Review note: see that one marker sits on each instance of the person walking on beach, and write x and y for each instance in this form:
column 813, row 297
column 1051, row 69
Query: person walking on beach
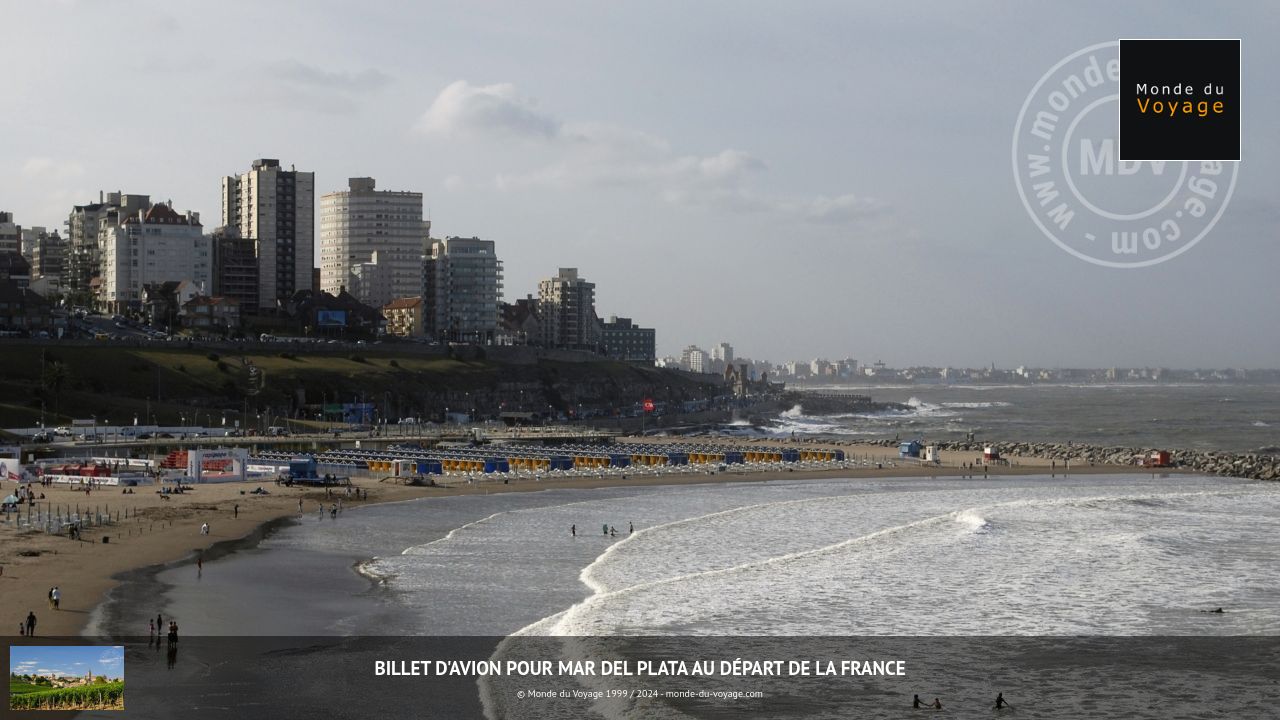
column 31, row 624
column 151, row 629
column 50, row 598
column 56, row 595
column 236, row 511
column 204, row 529
column 299, row 506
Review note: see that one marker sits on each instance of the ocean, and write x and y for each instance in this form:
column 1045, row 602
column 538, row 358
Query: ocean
column 1227, row 417
column 1024, row 555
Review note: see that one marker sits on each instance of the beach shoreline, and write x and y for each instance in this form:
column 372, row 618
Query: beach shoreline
column 160, row 534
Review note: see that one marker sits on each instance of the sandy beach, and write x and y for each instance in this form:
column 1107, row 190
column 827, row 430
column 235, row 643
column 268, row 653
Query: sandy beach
column 156, row 531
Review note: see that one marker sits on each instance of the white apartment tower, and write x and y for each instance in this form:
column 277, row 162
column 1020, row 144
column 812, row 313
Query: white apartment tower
column 371, row 242
column 276, row 209
column 153, row 246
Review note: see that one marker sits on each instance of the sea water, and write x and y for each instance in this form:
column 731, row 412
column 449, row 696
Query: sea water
column 1027, row 555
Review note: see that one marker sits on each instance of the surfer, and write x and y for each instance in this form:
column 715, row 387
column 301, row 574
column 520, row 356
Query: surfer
column 1000, row 703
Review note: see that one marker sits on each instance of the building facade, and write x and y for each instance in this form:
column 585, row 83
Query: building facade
column 45, row 251
column 152, row 247
column 235, row 269
column 275, row 208
column 623, row 340
column 10, row 233
column 86, row 225
column 405, row 317
column 462, row 288
column 567, row 305
column 364, row 226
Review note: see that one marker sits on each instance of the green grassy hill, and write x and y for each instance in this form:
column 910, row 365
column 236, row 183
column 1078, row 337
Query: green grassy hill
column 116, row 383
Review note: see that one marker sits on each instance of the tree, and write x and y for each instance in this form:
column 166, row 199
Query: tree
column 54, row 377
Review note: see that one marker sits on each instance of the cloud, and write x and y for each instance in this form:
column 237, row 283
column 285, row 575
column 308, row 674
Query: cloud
column 592, row 155
column 300, row 87
column 463, row 108
column 46, row 168
column 299, row 73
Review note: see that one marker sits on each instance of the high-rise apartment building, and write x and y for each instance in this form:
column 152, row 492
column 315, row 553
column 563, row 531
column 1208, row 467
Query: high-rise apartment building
column 722, row 352
column 275, row 208
column 10, row 233
column 152, row 247
column 371, row 242
column 567, row 304
column 45, row 251
column 85, row 226
column 235, row 268
column 462, row 290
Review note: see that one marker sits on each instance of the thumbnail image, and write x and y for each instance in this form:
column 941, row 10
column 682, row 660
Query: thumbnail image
column 66, row 677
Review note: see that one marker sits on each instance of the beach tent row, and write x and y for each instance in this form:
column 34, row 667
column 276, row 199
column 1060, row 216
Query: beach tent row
column 399, row 461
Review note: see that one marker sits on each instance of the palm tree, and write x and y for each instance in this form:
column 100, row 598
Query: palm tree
column 54, row 378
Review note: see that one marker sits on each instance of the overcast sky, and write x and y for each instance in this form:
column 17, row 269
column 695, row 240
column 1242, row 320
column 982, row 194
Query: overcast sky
column 799, row 179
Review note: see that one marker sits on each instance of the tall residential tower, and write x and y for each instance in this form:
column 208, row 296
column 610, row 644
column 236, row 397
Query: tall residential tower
column 371, row 242
column 276, row 209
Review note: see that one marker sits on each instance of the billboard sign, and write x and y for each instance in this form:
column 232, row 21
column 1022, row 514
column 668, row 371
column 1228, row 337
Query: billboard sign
column 331, row 318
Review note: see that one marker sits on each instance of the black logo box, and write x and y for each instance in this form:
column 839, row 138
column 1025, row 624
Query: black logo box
column 1184, row 64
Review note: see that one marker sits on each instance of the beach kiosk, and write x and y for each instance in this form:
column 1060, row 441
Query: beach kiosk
column 1159, row 458
column 909, row 449
column 990, row 454
column 931, row 454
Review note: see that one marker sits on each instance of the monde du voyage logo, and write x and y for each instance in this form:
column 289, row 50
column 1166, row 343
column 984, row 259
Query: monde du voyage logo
column 1129, row 169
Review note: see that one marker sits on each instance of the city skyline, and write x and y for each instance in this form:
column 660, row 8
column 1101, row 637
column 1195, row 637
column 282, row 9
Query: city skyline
column 775, row 172
column 70, row 661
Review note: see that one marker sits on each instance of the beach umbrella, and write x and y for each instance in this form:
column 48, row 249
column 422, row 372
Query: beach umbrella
column 11, row 500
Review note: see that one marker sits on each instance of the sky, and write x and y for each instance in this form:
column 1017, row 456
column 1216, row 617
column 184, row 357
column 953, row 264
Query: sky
column 818, row 179
column 67, row 660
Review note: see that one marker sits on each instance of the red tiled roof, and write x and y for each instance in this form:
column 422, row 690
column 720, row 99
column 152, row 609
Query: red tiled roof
column 406, row 303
